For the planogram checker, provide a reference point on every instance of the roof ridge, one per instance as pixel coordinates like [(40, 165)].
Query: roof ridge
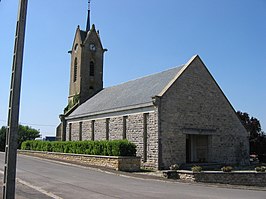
[(180, 72), (150, 75)]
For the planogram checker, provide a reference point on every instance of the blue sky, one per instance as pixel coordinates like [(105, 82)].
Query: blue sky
[(142, 37)]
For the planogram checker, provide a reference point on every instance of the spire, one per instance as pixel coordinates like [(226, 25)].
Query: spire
[(88, 18)]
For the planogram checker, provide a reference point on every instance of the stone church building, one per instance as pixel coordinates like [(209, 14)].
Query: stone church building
[(177, 116)]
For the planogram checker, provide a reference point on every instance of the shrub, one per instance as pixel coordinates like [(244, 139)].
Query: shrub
[(260, 169), (174, 167), (196, 168), (25, 145), (227, 169), (103, 147)]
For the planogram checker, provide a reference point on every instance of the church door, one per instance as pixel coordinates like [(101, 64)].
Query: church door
[(197, 148)]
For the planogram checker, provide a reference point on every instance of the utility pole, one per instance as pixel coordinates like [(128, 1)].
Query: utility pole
[(14, 102)]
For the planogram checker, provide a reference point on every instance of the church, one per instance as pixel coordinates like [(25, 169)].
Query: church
[(177, 116)]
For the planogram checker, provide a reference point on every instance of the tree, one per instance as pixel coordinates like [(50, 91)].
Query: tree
[(252, 124), (24, 133), (257, 139)]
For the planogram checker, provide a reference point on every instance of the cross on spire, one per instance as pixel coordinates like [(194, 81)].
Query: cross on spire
[(88, 18)]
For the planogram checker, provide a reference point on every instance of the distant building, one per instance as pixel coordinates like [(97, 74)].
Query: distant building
[(49, 138), (177, 116)]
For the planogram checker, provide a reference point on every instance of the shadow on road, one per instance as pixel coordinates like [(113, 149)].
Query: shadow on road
[(23, 191)]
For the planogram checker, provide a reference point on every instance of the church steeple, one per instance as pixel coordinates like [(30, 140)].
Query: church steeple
[(86, 71), (88, 17)]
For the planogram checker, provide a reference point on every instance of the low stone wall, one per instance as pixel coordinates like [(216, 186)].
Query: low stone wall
[(120, 163), (248, 178)]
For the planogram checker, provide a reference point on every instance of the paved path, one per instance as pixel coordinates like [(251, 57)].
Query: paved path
[(56, 180)]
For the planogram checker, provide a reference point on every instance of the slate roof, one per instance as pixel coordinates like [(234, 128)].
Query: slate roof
[(133, 93), (83, 35)]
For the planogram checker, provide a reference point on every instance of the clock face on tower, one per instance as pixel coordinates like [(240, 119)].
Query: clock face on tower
[(92, 47)]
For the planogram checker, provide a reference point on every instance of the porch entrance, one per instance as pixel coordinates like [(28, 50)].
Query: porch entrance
[(197, 148)]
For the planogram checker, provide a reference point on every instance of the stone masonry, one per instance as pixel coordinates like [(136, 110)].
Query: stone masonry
[(116, 128), (188, 120), (200, 108), (100, 129), (134, 132), (176, 116), (119, 163)]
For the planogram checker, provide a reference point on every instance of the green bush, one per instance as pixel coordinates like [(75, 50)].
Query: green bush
[(227, 169), (103, 147), (196, 168)]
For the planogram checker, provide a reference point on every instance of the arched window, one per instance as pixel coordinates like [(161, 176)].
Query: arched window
[(75, 70), (76, 48), (91, 68), (91, 90)]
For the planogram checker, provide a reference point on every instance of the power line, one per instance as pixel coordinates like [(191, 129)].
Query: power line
[(32, 124)]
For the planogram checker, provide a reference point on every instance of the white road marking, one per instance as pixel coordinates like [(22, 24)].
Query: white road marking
[(39, 189)]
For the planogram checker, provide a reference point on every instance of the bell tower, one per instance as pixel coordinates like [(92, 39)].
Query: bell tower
[(86, 71)]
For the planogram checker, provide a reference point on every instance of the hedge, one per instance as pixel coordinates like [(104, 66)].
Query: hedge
[(103, 147)]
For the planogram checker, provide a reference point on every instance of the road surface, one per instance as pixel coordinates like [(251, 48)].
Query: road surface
[(58, 180)]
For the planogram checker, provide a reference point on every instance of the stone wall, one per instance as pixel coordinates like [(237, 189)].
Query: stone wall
[(59, 132), (120, 163), (116, 128), (100, 129), (86, 130), (234, 178), (75, 129), (134, 132), (67, 132), (152, 140), (195, 105), (131, 125)]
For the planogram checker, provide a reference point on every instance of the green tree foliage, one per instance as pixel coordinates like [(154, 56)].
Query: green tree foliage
[(24, 133), (257, 137), (27, 133), (252, 124)]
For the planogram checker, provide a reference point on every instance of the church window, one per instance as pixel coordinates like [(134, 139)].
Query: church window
[(145, 137), (75, 70), (76, 48), (92, 129), (124, 135), (69, 132), (80, 131), (107, 128), (91, 90), (91, 68)]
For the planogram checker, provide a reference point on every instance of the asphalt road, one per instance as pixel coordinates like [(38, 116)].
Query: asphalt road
[(57, 180)]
